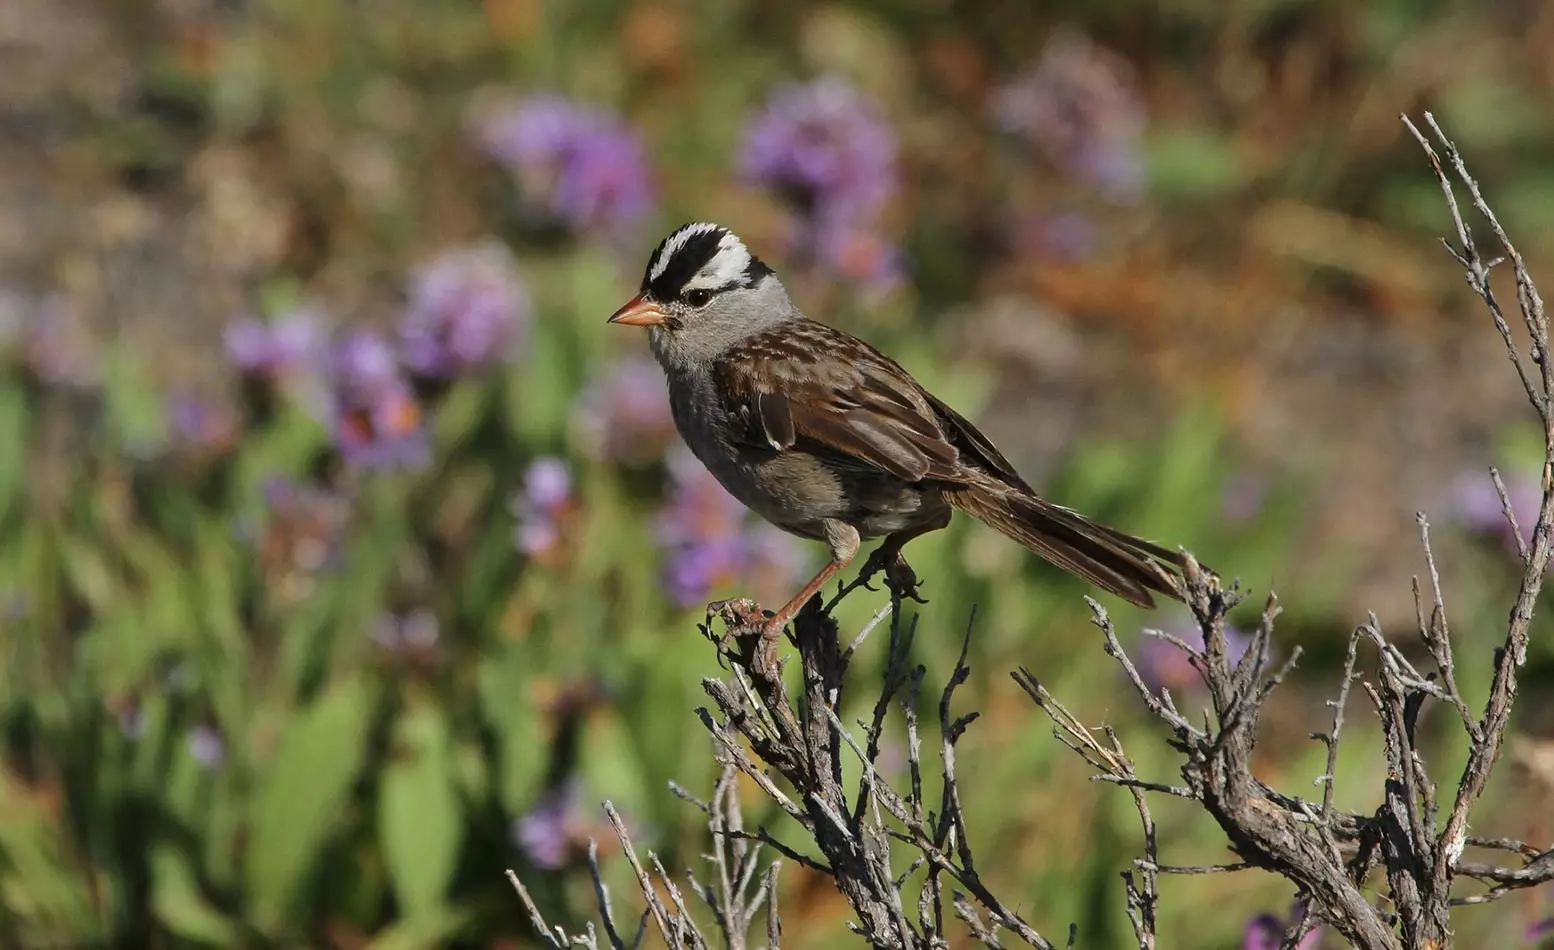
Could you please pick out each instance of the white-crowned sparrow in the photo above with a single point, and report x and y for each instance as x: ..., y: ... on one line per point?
x: 829, y: 439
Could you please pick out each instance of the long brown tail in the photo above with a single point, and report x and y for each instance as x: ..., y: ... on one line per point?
x: 1111, y: 560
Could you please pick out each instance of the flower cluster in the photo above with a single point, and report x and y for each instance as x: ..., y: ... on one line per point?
x: 1078, y: 106
x: 1266, y: 932
x: 47, y: 336
x: 280, y: 350
x: 830, y: 153
x: 623, y: 415
x: 1475, y: 505
x: 542, y: 506
x: 373, y: 414
x: 711, y: 541
x: 582, y: 166
x: 300, y: 537
x: 467, y: 311
x: 1164, y: 665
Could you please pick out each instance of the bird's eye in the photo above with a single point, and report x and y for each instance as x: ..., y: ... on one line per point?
x: 698, y: 298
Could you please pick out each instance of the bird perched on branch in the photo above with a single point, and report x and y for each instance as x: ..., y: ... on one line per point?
x: 829, y: 439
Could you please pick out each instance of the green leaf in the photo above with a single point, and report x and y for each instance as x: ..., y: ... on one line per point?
x: 1186, y: 164
x: 13, y: 451
x: 458, y: 415
x: 301, y: 793
x: 180, y: 907
x: 507, y: 703
x: 427, y: 930
x: 418, y: 810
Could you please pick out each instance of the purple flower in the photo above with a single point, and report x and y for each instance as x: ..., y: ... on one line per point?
x: 541, y: 506
x: 1242, y: 497
x: 1265, y: 932
x: 1540, y: 931
x: 206, y: 746
x: 702, y: 531
x: 856, y: 253
x: 624, y: 414
x: 467, y: 311
x: 711, y: 541
x: 287, y: 346
x: 300, y: 537
x: 1164, y: 665
x: 1057, y: 235
x: 201, y: 423
x: 1079, y: 106
x: 580, y: 163
x: 1475, y: 505
x: 546, y: 832
x: 374, y: 416
x: 56, y: 346
x: 776, y: 562
x: 825, y: 147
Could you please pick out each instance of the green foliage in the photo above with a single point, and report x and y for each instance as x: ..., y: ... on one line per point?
x: 203, y: 741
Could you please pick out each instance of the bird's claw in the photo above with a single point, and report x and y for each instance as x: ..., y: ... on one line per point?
x: 742, y: 618
x: 903, y: 580
x: 899, y: 576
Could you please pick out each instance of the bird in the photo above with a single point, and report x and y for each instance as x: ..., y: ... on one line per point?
x: 829, y: 439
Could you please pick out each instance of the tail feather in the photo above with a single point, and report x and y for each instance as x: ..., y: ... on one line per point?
x: 1116, y: 562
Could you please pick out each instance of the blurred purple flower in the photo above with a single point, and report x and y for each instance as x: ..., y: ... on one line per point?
x: 1475, y: 504
x: 1242, y: 497
x: 775, y: 562
x: 1056, y: 235
x: 545, y: 833
x: 291, y: 344
x: 824, y: 147
x: 702, y: 530
x: 624, y: 414
x: 1540, y: 931
x: 1265, y: 932
x: 1163, y: 664
x: 856, y: 253
x: 55, y: 347
x: 206, y: 746
x: 540, y: 507
x: 712, y: 541
x: 1079, y: 105
x: 467, y: 310
x: 830, y: 152
x: 202, y: 423
x: 300, y: 537
x: 374, y: 416
x: 581, y: 163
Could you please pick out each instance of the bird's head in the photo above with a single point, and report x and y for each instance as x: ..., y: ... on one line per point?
x: 703, y: 291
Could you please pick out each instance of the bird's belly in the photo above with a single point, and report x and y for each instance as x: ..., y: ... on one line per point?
x: 791, y: 490
x: 799, y: 492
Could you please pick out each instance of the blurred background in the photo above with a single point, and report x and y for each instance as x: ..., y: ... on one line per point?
x: 348, y: 558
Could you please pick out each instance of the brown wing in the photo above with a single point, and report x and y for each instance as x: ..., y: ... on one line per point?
x: 809, y: 386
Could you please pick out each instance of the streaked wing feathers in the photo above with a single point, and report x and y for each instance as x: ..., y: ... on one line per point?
x: 864, y: 409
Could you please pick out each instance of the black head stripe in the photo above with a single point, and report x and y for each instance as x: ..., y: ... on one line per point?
x: 689, y: 253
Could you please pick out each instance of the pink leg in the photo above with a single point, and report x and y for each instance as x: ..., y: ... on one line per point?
x: 843, y: 541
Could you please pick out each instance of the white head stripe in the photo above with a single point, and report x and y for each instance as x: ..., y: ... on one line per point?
x: 727, y: 266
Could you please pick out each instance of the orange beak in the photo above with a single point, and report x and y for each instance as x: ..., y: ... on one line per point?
x: 638, y: 312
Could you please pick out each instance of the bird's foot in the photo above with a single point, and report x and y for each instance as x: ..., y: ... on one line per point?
x: 903, y: 580
x: 899, y: 576
x: 748, y: 626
